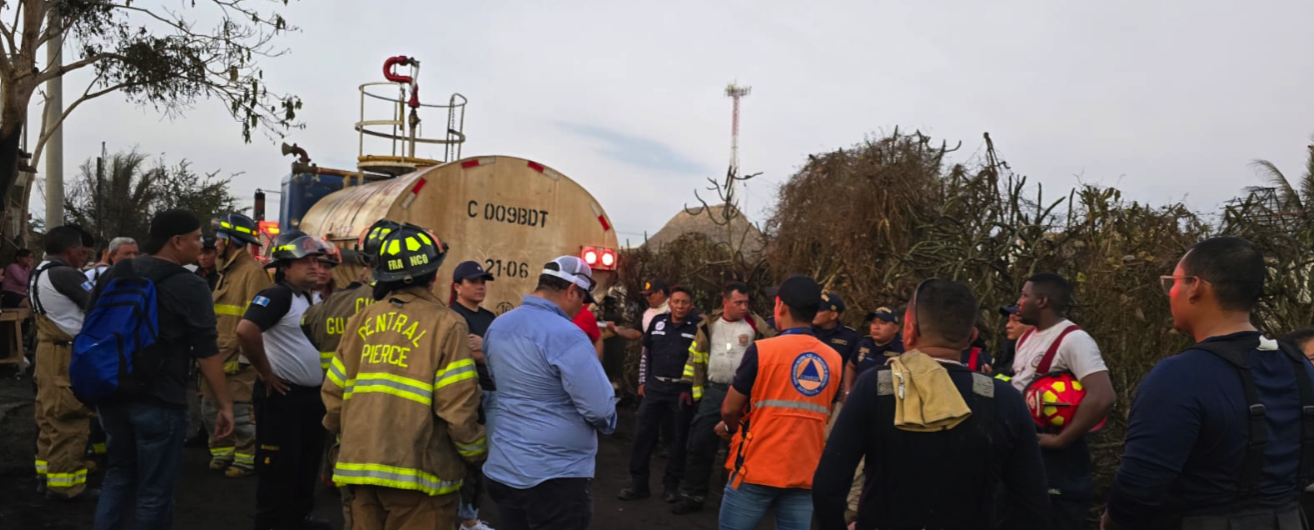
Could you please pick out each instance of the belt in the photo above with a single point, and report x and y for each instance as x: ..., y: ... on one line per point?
x: 668, y: 379
x: 722, y: 386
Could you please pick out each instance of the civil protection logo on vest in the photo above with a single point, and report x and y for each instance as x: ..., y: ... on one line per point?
x: 810, y: 374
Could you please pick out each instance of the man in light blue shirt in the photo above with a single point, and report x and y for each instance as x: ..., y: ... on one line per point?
x: 553, y: 398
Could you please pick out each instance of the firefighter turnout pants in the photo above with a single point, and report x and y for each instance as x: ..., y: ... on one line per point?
x: 290, y: 448
x: 380, y: 508
x: 238, y: 448
x: 64, y: 423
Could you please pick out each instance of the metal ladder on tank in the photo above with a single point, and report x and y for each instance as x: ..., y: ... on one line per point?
x: 404, y: 130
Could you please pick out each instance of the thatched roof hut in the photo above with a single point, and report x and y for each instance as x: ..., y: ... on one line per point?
x: 741, y: 231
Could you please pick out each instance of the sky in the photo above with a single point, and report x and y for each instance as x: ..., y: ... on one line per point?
x: 1167, y: 101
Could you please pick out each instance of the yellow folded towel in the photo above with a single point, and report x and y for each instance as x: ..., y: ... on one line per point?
x: 925, y: 398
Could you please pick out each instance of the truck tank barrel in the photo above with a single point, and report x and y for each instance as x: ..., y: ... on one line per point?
x: 509, y: 214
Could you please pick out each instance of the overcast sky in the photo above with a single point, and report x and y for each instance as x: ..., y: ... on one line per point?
x: 1166, y: 100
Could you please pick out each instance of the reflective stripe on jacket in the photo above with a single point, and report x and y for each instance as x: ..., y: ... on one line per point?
x: 240, y: 280
x: 695, y: 370
x: 403, y: 394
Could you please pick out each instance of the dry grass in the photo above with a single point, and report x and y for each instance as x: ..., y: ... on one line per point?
x: 872, y: 220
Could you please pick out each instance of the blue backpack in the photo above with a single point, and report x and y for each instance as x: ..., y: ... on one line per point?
x: 116, y: 354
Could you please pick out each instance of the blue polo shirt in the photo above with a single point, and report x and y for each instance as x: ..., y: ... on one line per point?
x: 1187, y: 435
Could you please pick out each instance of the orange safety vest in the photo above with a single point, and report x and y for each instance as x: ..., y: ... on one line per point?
x: 780, y: 441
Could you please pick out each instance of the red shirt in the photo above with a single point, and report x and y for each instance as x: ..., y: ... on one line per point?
x: 589, y: 323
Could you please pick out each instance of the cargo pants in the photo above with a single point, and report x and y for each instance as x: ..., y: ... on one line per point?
x: 64, y: 423
x: 238, y: 448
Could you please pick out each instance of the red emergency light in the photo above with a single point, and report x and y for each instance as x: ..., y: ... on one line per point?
x: 599, y: 258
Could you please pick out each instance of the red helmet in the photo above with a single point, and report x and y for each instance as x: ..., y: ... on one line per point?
x: 1053, y: 400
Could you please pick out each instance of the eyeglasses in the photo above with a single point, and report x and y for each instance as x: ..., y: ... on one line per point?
x: 912, y: 305
x: 1169, y: 281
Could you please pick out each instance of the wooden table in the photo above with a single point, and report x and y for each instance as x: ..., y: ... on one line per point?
x: 11, y: 336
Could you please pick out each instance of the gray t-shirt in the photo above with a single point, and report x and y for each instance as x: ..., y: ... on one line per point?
x: 187, y: 324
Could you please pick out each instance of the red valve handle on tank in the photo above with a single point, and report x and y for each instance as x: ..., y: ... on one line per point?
x: 402, y: 60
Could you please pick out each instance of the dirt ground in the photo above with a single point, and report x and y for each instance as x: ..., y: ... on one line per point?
x: 209, y: 501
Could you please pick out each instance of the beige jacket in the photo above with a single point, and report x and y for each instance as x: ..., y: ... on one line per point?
x: 403, y: 395
x: 695, y: 369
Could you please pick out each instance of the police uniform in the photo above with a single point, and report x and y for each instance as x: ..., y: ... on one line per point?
x: 841, y: 338
x: 870, y: 355
x: 58, y: 293
x: 666, y: 348
x: 402, y: 394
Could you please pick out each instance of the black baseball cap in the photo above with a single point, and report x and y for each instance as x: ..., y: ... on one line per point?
x: 470, y: 270
x: 1008, y: 310
x: 653, y: 286
x: 207, y: 243
x: 883, y: 313
x: 832, y: 302
x: 801, y: 293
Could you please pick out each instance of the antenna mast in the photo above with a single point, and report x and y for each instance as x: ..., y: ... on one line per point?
x: 735, y: 92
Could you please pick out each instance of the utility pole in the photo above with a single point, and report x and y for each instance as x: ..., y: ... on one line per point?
x: 100, y: 194
x: 55, y: 109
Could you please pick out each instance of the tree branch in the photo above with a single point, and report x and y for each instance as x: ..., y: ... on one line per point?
x: 49, y: 74
x: 48, y: 130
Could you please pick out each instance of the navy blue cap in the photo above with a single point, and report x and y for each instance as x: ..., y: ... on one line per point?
x: 470, y: 270
x: 1008, y: 310
x: 654, y: 286
x: 832, y: 302
x: 800, y: 292
x: 883, y: 313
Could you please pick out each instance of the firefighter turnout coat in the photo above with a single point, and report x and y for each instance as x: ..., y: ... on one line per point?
x: 325, y: 322
x: 695, y: 370
x: 403, y: 395
x: 241, y: 278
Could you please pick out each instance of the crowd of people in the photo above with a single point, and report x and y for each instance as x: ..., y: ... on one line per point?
x: 415, y: 401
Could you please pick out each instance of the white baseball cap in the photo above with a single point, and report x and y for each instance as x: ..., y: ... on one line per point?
x: 573, y: 270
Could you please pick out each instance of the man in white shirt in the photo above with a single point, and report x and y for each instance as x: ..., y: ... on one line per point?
x: 718, y: 348
x: 657, y: 293
x: 1046, y: 298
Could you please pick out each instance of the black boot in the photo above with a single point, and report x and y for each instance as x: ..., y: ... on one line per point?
x: 686, y: 505
x: 634, y: 494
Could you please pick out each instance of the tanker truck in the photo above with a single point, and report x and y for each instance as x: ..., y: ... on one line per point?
x: 510, y: 214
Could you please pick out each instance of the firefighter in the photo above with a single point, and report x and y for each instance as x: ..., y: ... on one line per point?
x: 58, y: 293
x: 326, y: 287
x: 287, y: 406
x: 241, y: 277
x: 402, y: 393
x: 717, y: 349
x: 325, y: 322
